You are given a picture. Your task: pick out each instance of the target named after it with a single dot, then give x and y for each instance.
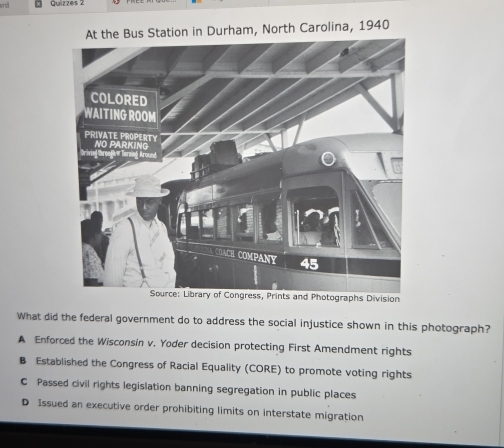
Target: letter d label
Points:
(25, 402)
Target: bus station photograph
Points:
(252, 166)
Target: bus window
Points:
(245, 223)
(366, 230)
(207, 225)
(223, 216)
(182, 226)
(316, 217)
(193, 229)
(270, 222)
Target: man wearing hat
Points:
(140, 253)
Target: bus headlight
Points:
(328, 159)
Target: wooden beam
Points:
(375, 105)
(250, 143)
(215, 115)
(252, 56)
(170, 149)
(397, 101)
(215, 56)
(107, 172)
(214, 130)
(194, 108)
(174, 58)
(109, 62)
(232, 103)
(310, 101)
(304, 90)
(345, 95)
(285, 139)
(224, 108)
(184, 91)
(384, 63)
(329, 54)
(335, 101)
(364, 54)
(258, 103)
(291, 55)
(265, 72)
(299, 107)
(299, 129)
(272, 145)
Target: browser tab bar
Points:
(66, 6)
(144, 5)
(13, 7)
(217, 4)
(319, 2)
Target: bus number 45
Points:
(310, 263)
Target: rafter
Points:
(184, 91)
(109, 62)
(300, 128)
(334, 90)
(215, 56)
(233, 102)
(259, 102)
(266, 71)
(224, 108)
(329, 54)
(375, 105)
(173, 58)
(252, 56)
(307, 89)
(214, 130)
(397, 101)
(169, 150)
(291, 55)
(310, 102)
(249, 97)
(363, 56)
(200, 103)
(334, 101)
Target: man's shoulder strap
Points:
(136, 248)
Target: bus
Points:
(323, 215)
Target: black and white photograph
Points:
(253, 166)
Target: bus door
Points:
(315, 254)
(374, 259)
(208, 253)
(223, 262)
(188, 251)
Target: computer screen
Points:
(203, 204)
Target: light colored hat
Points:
(148, 187)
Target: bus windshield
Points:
(388, 197)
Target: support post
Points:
(272, 145)
(397, 86)
(300, 128)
